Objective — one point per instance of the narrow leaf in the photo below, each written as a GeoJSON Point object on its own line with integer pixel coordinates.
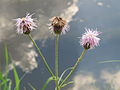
{"type": "Point", "coordinates": [6, 55]}
{"type": "Point", "coordinates": [47, 82]}
{"type": "Point", "coordinates": [10, 84]}
{"type": "Point", "coordinates": [109, 61]}
{"type": "Point", "coordinates": [6, 67]}
{"type": "Point", "coordinates": [31, 86]}
{"type": "Point", "coordinates": [1, 77]}
{"type": "Point", "coordinates": [71, 82]}
{"type": "Point", "coordinates": [64, 73]}
{"type": "Point", "coordinates": [17, 80]}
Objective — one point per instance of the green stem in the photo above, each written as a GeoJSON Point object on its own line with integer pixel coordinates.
{"type": "Point", "coordinates": [67, 84]}
{"type": "Point", "coordinates": [56, 61]}
{"type": "Point", "coordinates": [40, 53]}
{"type": "Point", "coordinates": [79, 59]}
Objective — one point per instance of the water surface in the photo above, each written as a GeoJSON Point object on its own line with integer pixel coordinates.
{"type": "Point", "coordinates": [90, 74]}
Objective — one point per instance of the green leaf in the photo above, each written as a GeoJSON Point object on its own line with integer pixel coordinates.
{"type": "Point", "coordinates": [6, 67]}
{"type": "Point", "coordinates": [109, 61]}
{"type": "Point", "coordinates": [1, 77]}
{"type": "Point", "coordinates": [31, 86]}
{"type": "Point", "coordinates": [71, 82]}
{"type": "Point", "coordinates": [10, 84]}
{"type": "Point", "coordinates": [6, 55]}
{"type": "Point", "coordinates": [25, 88]}
{"type": "Point", "coordinates": [17, 80]}
{"type": "Point", "coordinates": [64, 73]}
{"type": "Point", "coordinates": [4, 82]}
{"type": "Point", "coordinates": [47, 82]}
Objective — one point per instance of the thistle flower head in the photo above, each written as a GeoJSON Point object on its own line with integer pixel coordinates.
{"type": "Point", "coordinates": [25, 25]}
{"type": "Point", "coordinates": [58, 25]}
{"type": "Point", "coordinates": [89, 39]}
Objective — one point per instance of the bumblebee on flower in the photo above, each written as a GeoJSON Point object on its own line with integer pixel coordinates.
{"type": "Point", "coordinates": [58, 25]}
{"type": "Point", "coordinates": [89, 39]}
{"type": "Point", "coordinates": [25, 25]}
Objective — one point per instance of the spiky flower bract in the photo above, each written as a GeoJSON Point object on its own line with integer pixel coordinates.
{"type": "Point", "coordinates": [58, 25]}
{"type": "Point", "coordinates": [25, 25]}
{"type": "Point", "coordinates": [89, 39]}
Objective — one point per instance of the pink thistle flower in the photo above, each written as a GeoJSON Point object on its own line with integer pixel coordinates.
{"type": "Point", "coordinates": [25, 25]}
{"type": "Point", "coordinates": [58, 25]}
{"type": "Point", "coordinates": [89, 39]}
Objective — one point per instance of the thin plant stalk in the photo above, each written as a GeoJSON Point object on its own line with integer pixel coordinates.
{"type": "Point", "coordinates": [74, 67]}
{"type": "Point", "coordinates": [6, 62]}
{"type": "Point", "coordinates": [40, 53]}
{"type": "Point", "coordinates": [56, 61]}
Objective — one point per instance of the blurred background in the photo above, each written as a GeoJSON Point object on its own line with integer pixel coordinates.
{"type": "Point", "coordinates": [90, 74]}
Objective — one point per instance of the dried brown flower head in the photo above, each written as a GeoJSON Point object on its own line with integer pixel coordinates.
{"type": "Point", "coordinates": [58, 25]}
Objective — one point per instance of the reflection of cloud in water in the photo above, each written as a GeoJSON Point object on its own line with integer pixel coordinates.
{"type": "Point", "coordinates": [87, 81]}
{"type": "Point", "coordinates": [70, 11]}
{"type": "Point", "coordinates": [101, 4]}
{"type": "Point", "coordinates": [4, 28]}
{"type": "Point", "coordinates": [19, 46]}
{"type": "Point", "coordinates": [84, 82]}
{"type": "Point", "coordinates": [112, 79]}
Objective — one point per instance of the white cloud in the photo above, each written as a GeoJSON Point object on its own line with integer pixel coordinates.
{"type": "Point", "coordinates": [107, 80]}
{"type": "Point", "coordinates": [112, 79]}
{"type": "Point", "coordinates": [84, 82]}
{"type": "Point", "coordinates": [5, 26]}
{"type": "Point", "coordinates": [70, 11]}
{"type": "Point", "coordinates": [100, 4]}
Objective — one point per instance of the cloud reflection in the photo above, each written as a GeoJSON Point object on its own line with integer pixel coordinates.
{"type": "Point", "coordinates": [84, 82]}
{"type": "Point", "coordinates": [112, 79]}
{"type": "Point", "coordinates": [87, 81]}
{"type": "Point", "coordinates": [70, 11]}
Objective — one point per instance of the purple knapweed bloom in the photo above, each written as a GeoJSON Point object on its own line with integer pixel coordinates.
{"type": "Point", "coordinates": [58, 25]}
{"type": "Point", "coordinates": [89, 39]}
{"type": "Point", "coordinates": [25, 25]}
